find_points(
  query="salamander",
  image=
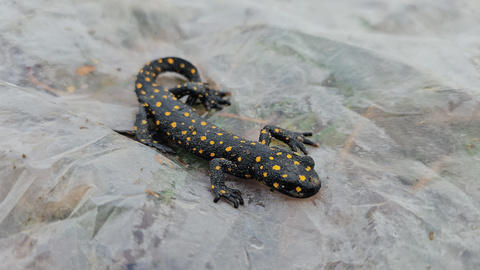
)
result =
(162, 111)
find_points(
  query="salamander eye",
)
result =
(307, 160)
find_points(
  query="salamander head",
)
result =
(294, 176)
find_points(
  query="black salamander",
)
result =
(282, 170)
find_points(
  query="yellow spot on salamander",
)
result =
(135, 128)
(143, 92)
(258, 159)
(284, 176)
(186, 114)
(167, 113)
(219, 134)
(203, 123)
(265, 174)
(200, 151)
(276, 130)
(279, 153)
(275, 185)
(203, 138)
(247, 175)
(263, 131)
(144, 122)
(184, 132)
(298, 189)
(147, 79)
(302, 177)
(194, 133)
(289, 156)
(213, 187)
(223, 191)
(139, 85)
(276, 168)
(176, 107)
(212, 154)
(212, 142)
(174, 124)
(160, 61)
(308, 168)
(188, 139)
(182, 65)
(158, 104)
(228, 149)
(217, 168)
(156, 90)
(157, 122)
(193, 71)
(296, 162)
(239, 159)
(170, 61)
(193, 121)
(271, 158)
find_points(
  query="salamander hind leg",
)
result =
(214, 98)
(144, 134)
(210, 98)
(293, 139)
(217, 178)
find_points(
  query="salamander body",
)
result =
(283, 170)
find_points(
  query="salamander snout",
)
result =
(299, 186)
(310, 187)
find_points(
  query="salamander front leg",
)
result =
(217, 168)
(293, 139)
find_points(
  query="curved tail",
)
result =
(151, 70)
